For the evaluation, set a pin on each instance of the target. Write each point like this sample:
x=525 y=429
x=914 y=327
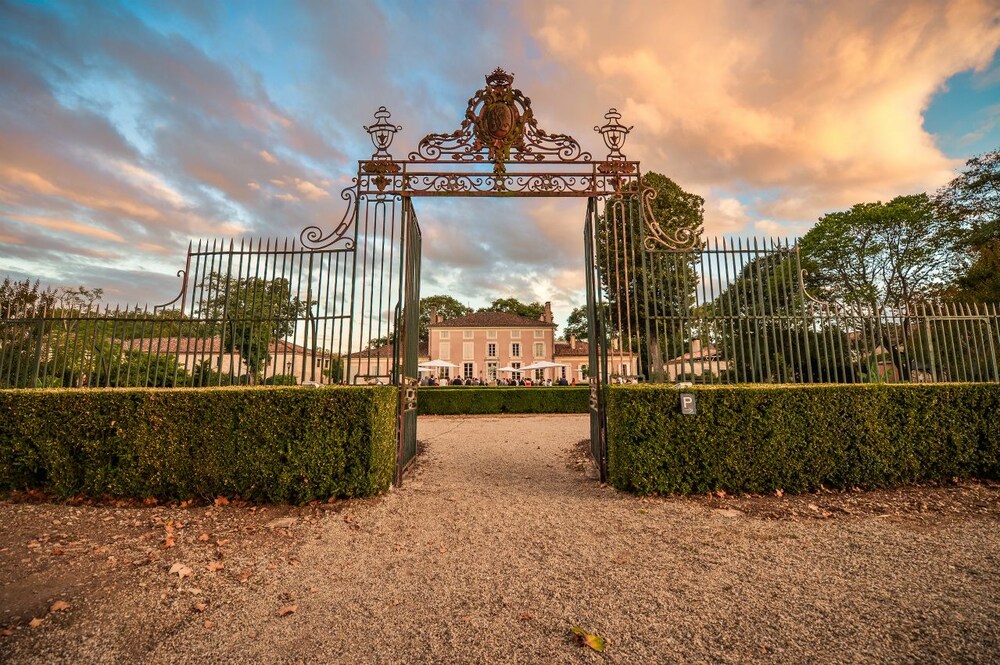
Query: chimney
x=695 y=347
x=548 y=312
x=434 y=314
x=572 y=341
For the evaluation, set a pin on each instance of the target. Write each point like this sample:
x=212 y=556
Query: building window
x=467 y=350
x=491 y=334
x=445 y=351
x=491 y=350
x=468 y=334
x=539 y=334
x=491 y=371
x=539 y=374
x=444 y=334
x=516 y=375
x=515 y=351
x=515 y=334
x=467 y=370
x=539 y=349
x=444 y=373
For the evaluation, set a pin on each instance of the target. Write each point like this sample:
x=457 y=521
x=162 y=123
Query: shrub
x=797 y=438
x=441 y=400
x=263 y=444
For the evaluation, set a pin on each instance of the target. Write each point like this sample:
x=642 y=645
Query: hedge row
x=797 y=438
x=264 y=444
x=441 y=400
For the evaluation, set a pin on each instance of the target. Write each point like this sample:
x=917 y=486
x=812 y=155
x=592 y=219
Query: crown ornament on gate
x=499 y=127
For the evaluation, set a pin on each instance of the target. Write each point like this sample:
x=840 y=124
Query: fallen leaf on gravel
x=525 y=617
x=180 y=570
x=592 y=640
x=203 y=537
x=59 y=606
x=281 y=523
x=208 y=624
x=200 y=607
x=288 y=609
x=443 y=550
x=7 y=632
x=215 y=566
x=779 y=493
x=36 y=622
x=220 y=543
x=58 y=551
x=168 y=542
x=245 y=576
x=150 y=501
x=221 y=501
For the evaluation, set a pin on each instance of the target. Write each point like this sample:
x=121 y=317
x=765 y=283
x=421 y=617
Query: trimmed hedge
x=457 y=400
x=797 y=438
x=264 y=444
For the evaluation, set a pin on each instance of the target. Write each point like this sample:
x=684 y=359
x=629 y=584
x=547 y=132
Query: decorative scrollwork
x=499 y=126
x=182 y=273
x=312 y=237
x=677 y=238
x=507 y=183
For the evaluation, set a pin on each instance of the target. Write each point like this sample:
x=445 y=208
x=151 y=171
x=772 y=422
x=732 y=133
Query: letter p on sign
x=688 y=407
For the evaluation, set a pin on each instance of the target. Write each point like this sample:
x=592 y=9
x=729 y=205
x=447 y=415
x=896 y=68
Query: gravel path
x=495 y=547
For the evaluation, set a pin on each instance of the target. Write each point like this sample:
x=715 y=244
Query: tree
x=577 y=324
x=446 y=306
x=533 y=310
x=649 y=292
x=250 y=315
x=972 y=201
x=878 y=261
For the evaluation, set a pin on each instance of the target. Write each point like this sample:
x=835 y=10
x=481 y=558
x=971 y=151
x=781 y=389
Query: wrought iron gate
x=408 y=337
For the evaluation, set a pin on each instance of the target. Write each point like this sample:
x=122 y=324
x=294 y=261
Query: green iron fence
x=739 y=311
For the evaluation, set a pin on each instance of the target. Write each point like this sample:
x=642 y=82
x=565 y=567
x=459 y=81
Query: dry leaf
x=779 y=493
x=215 y=566
x=220 y=543
x=36 y=622
x=443 y=550
x=221 y=501
x=592 y=640
x=287 y=609
x=203 y=537
x=168 y=542
x=180 y=570
x=208 y=624
x=58 y=551
x=150 y=501
x=7 y=632
x=525 y=617
x=59 y=606
x=200 y=607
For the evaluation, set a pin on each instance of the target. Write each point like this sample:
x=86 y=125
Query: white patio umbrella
x=542 y=364
x=431 y=364
x=509 y=369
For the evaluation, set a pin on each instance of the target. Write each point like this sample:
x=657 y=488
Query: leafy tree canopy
x=972 y=202
x=252 y=313
x=446 y=306
x=532 y=310
x=577 y=324
x=879 y=255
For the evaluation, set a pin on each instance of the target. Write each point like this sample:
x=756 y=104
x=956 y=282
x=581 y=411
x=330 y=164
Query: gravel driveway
x=500 y=542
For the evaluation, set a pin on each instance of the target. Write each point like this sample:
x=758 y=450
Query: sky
x=129 y=129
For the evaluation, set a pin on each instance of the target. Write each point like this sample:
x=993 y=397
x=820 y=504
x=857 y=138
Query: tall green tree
x=251 y=314
x=446 y=306
x=878 y=261
x=577 y=324
x=532 y=310
x=972 y=202
x=649 y=290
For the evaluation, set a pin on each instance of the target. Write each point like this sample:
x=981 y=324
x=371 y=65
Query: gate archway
x=498 y=150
